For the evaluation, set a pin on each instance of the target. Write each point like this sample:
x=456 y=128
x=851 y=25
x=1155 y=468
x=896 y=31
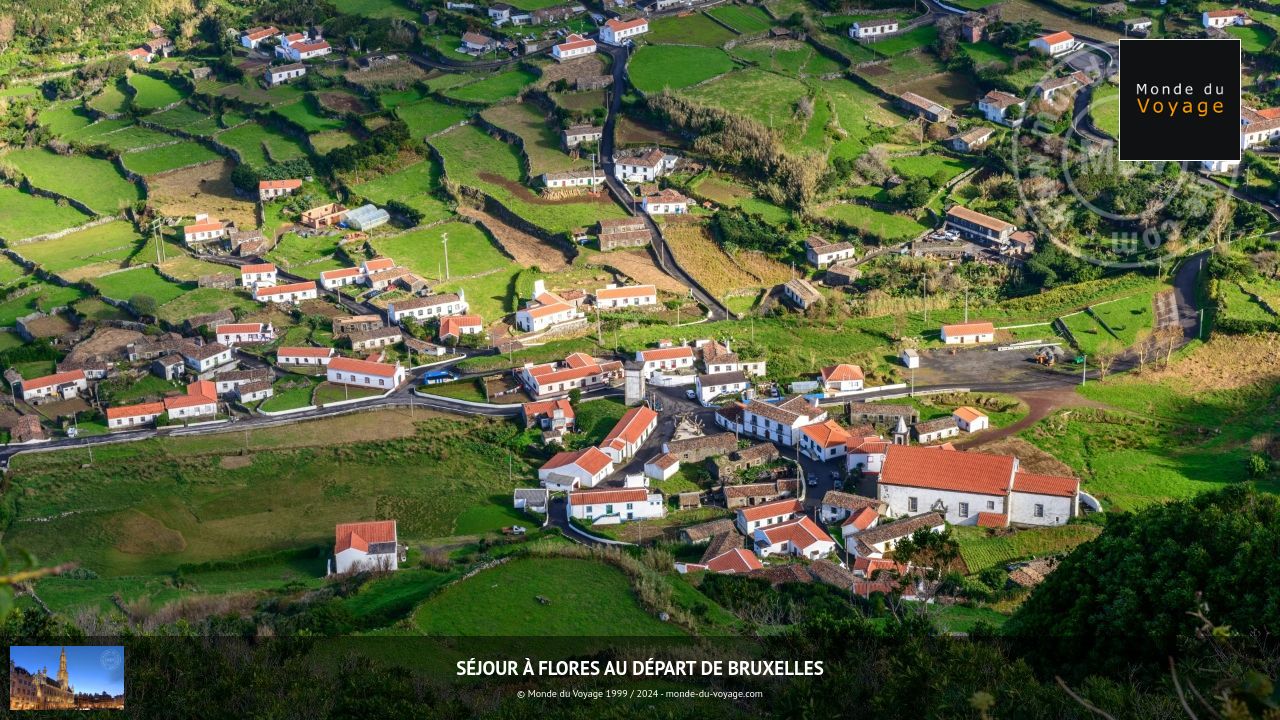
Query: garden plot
x=130 y=137
x=726 y=192
x=84 y=253
x=430 y=116
x=307 y=256
x=187 y=119
x=672 y=67
x=746 y=19
x=259 y=145
x=151 y=93
x=167 y=157
x=94 y=182
x=722 y=274
x=493 y=88
x=697 y=29
x=541 y=141
x=886 y=227
x=24 y=216
x=306 y=115
x=201 y=189
x=789 y=57
x=416 y=185
x=471 y=252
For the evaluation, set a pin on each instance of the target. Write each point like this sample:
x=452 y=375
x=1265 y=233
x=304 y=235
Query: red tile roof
x=593 y=460
x=54 y=379
x=800 y=532
x=545 y=407
x=973 y=328
x=672 y=353
x=239 y=328
x=284 y=289
x=379 y=263
x=826 y=434
x=734 y=561
x=978 y=218
x=1026 y=482
x=937 y=469
x=992 y=520
x=258 y=268
x=360 y=535
x=304 y=352
x=773 y=509
x=203 y=227
x=632 y=425
x=364 y=367
x=626 y=291
x=575 y=42
x=968 y=414
x=617 y=25
x=861 y=519
x=602 y=497
x=453 y=324
x=279 y=184
x=341 y=273
x=841 y=373
x=1063 y=36
x=124 y=411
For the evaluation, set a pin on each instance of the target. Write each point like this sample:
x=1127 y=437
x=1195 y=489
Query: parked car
x=691 y=394
x=813 y=481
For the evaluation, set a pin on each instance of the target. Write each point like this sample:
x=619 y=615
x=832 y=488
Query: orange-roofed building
x=824 y=441
x=748 y=519
x=971 y=419
x=664 y=359
x=456 y=326
x=58 y=386
x=616 y=505
x=614 y=297
x=841 y=378
x=575 y=469
x=800 y=537
x=127 y=416
x=365 y=546
x=1055 y=44
x=968 y=333
x=271 y=189
x=636 y=425
x=364 y=373
x=736 y=560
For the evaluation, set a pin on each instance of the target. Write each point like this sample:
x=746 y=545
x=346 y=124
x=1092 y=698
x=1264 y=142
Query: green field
x=1104 y=108
x=1253 y=38
x=655 y=67
x=45 y=299
x=324 y=142
x=131 y=137
x=928 y=165
x=307 y=256
x=585 y=598
x=541 y=140
x=878 y=224
x=773 y=103
x=376 y=9
x=493 y=88
x=789 y=57
x=392 y=99
x=415 y=185
x=923 y=36
x=857 y=112
x=167 y=157
x=260 y=145
x=743 y=18
x=110 y=245
x=689 y=30
x=24 y=216
x=430 y=116
x=65 y=118
x=473 y=158
x=724 y=191
x=186 y=118
x=152 y=93
x=470 y=250
x=111 y=100
x=96 y=183
x=1127 y=318
x=981 y=549
x=143 y=280
x=200 y=301
x=306 y=115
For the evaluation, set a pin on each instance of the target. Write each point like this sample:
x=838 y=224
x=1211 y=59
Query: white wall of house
x=1033 y=509
x=869 y=462
x=381 y=382
x=131 y=421
x=356 y=560
x=653 y=507
x=961 y=508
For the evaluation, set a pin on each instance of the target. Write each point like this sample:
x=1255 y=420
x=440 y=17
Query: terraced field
x=96 y=183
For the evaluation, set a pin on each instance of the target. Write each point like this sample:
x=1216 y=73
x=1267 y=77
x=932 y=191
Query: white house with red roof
x=364 y=373
x=665 y=202
x=578 y=371
x=545 y=310
x=127 y=416
x=662 y=466
x=428 y=306
x=1224 y=18
x=201 y=400
x=555 y=414
x=574 y=46
x=300 y=46
x=664 y=359
x=456 y=326
x=824 y=441
x=272 y=189
x=610 y=506
x=962 y=486
x=881 y=538
x=366 y=546
x=841 y=378
x=780 y=422
x=334 y=279
x=971 y=419
x=800 y=537
x=60 y=386
x=969 y=333
x=749 y=519
x=864 y=452
x=291 y=293
x=571 y=470
x=140 y=54
x=619 y=32
x=253 y=36
x=243 y=333
x=614 y=297
x=206 y=230
x=838 y=506
x=645 y=167
x=736 y=560
x=1055 y=43
x=303 y=356
x=636 y=425
x=256 y=275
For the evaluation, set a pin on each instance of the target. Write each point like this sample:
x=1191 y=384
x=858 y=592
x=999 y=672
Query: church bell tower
x=62 y=671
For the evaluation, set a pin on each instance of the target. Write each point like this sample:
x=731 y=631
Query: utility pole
x=1084 y=369
x=444 y=240
x=1200 y=326
x=966 y=305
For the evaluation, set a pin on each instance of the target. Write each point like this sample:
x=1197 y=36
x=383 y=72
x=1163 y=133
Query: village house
x=1048 y=89
x=864 y=451
x=304 y=356
x=573 y=178
x=973 y=27
x=995 y=107
x=839 y=506
x=1055 y=44
x=962 y=486
x=756 y=494
x=696 y=449
x=574 y=46
x=801 y=293
x=977 y=226
x=664 y=359
x=780 y=422
x=533 y=500
x=226 y=383
x=205 y=230
x=749 y=519
x=366 y=547
x=298 y=47
x=910 y=358
x=645 y=167
x=421 y=308
x=474 y=43
x=58 y=386
x=383 y=279
x=127 y=416
x=291 y=293
x=821 y=253
x=334 y=279
x=201 y=400
x=1224 y=18
x=935 y=430
x=545 y=310
x=824 y=441
x=576 y=135
x=718 y=357
x=455 y=327
x=354 y=323
x=708 y=387
x=614 y=297
x=572 y=470
x=1257 y=127
x=924 y=107
x=971 y=419
x=499 y=13
x=579 y=371
x=365 y=373
x=841 y=276
x=732 y=561
x=549 y=415
x=140 y=55
x=375 y=338
x=610 y=506
x=322 y=216
x=875 y=541
x=254 y=391
x=734 y=465
x=623 y=232
x=280 y=74
x=258 y=275
x=201 y=359
x=619 y=32
x=842 y=378
x=971 y=139
x=665 y=202
x=629 y=434
x=1138 y=25
x=662 y=466
x=252 y=37
x=873 y=29
x=169 y=367
x=800 y=537
x=243 y=333
x=272 y=189
x=968 y=333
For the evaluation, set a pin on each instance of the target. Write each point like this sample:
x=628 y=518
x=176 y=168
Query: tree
x=929 y=556
x=143 y=304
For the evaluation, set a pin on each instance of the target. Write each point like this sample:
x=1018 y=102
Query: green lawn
x=584 y=598
x=689 y=30
x=1128 y=317
x=143 y=280
x=1253 y=38
x=1105 y=109
x=23 y=215
x=497 y=87
x=774 y=100
x=745 y=19
x=328 y=393
x=201 y=301
x=430 y=116
x=595 y=418
x=878 y=224
x=260 y=145
x=294 y=252
x=910 y=40
x=306 y=115
x=417 y=185
x=655 y=67
x=130 y=137
x=167 y=157
x=470 y=250
x=291 y=392
x=152 y=93
x=982 y=549
x=540 y=138
x=111 y=100
x=96 y=183
x=188 y=119
x=378 y=9
x=111 y=244
x=45 y=299
x=928 y=165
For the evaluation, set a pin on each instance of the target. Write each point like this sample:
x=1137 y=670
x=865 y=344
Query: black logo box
x=1190 y=64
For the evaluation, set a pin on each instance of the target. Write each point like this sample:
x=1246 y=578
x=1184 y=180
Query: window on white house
x=991 y=504
x=964 y=510
x=1039 y=512
x=911 y=504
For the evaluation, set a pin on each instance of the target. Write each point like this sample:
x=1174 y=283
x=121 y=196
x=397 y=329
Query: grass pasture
x=470 y=250
x=789 y=57
x=774 y=100
x=141 y=280
x=1104 y=108
x=259 y=145
x=111 y=100
x=151 y=93
x=746 y=19
x=722 y=274
x=307 y=256
x=655 y=67
x=415 y=185
x=307 y=115
x=186 y=118
x=167 y=157
x=540 y=139
x=23 y=215
x=96 y=183
x=887 y=227
x=695 y=29
x=1253 y=38
x=377 y=9
x=46 y=298
x=982 y=549
x=726 y=192
x=429 y=116
x=493 y=88
x=86 y=252
x=132 y=137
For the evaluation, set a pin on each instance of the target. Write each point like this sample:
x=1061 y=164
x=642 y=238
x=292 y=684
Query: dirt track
x=527 y=250
x=1041 y=404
